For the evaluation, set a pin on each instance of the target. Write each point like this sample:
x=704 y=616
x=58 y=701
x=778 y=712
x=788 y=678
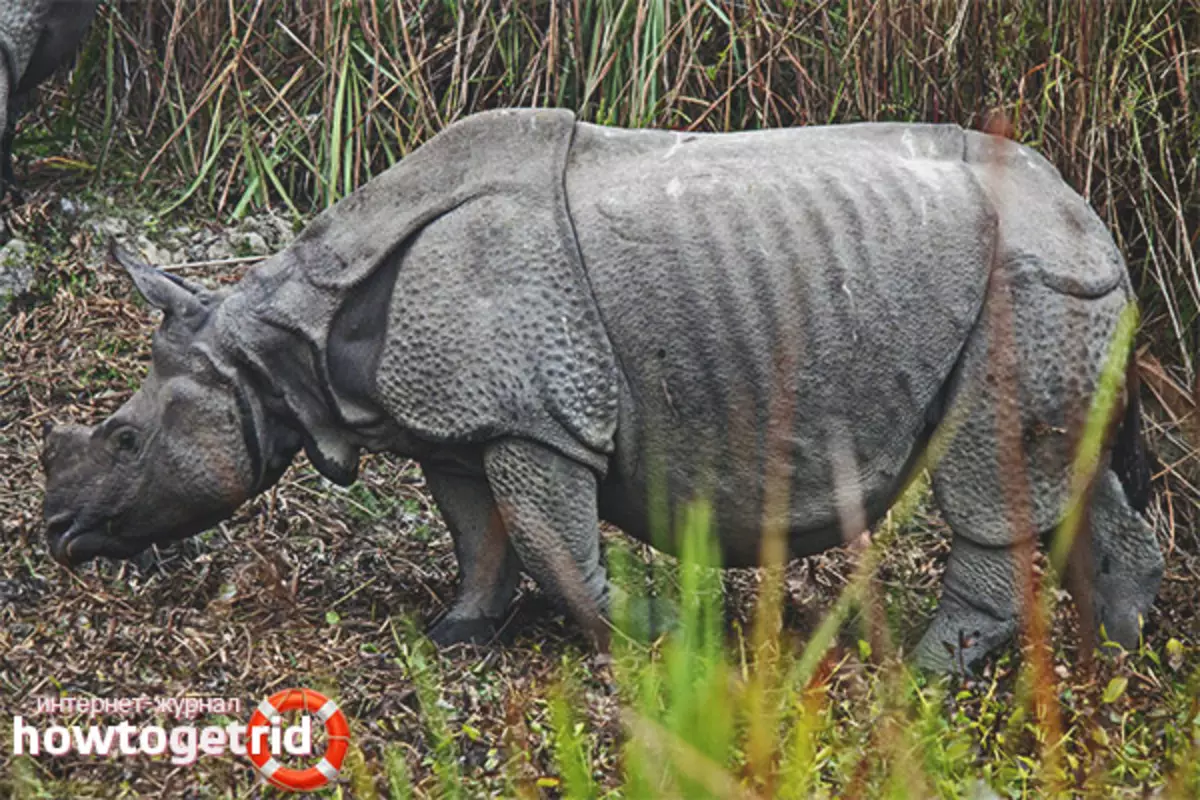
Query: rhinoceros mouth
x=64 y=534
x=73 y=541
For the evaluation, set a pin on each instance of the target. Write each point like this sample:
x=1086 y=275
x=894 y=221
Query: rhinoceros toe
x=959 y=639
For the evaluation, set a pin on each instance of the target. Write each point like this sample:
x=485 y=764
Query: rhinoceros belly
x=786 y=308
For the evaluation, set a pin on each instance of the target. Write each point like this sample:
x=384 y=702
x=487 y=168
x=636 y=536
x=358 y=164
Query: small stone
x=109 y=226
x=275 y=228
x=256 y=244
x=14 y=253
x=220 y=249
x=249 y=243
x=152 y=252
x=16 y=273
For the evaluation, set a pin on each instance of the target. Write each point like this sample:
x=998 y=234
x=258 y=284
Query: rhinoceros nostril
x=59 y=525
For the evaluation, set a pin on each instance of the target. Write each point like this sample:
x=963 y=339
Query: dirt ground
x=318 y=586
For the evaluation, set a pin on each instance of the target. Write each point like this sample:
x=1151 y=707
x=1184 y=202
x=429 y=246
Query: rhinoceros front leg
x=548 y=504
x=488 y=568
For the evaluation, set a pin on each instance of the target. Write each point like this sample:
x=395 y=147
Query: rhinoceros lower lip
x=69 y=539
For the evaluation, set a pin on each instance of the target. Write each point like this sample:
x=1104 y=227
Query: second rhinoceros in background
x=36 y=38
x=564 y=322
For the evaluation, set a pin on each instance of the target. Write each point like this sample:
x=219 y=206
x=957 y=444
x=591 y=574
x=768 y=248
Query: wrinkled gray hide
x=36 y=37
x=564 y=322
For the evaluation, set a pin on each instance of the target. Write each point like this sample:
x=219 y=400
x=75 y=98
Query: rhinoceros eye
x=126 y=440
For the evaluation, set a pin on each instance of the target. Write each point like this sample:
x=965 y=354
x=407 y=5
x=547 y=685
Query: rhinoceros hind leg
x=978 y=610
x=488 y=568
x=549 y=506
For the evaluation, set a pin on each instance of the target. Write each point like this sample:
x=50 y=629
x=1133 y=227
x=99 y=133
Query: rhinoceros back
x=786 y=306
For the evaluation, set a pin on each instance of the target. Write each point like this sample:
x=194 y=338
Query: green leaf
x=332 y=617
x=1174 y=654
x=958 y=750
x=1115 y=688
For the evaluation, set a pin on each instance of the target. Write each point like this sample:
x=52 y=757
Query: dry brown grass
x=231 y=105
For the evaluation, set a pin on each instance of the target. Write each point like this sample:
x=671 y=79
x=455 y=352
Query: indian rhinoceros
x=564 y=323
x=36 y=37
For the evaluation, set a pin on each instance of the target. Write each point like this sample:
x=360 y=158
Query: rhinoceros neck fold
x=287 y=375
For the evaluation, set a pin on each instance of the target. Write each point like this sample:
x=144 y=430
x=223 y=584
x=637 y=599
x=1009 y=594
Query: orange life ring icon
x=337 y=731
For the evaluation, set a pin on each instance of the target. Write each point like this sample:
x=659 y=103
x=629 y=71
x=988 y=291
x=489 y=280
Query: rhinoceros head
x=183 y=453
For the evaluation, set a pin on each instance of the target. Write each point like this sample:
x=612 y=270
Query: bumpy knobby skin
x=36 y=37
x=564 y=322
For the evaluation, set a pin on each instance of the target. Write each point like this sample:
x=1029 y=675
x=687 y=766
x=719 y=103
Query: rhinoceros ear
x=176 y=296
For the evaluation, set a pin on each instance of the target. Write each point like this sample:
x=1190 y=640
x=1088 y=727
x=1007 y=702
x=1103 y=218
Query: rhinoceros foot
x=480 y=630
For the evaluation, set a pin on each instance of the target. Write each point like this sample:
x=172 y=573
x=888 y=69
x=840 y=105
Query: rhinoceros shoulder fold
x=447 y=296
